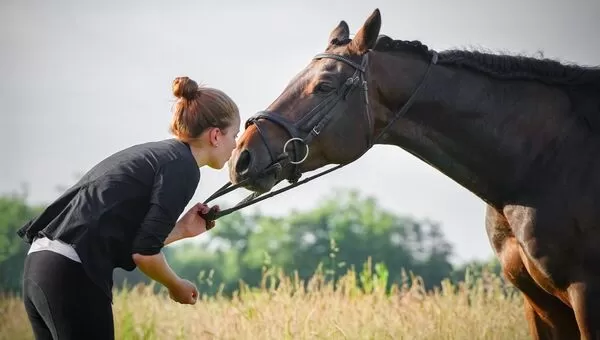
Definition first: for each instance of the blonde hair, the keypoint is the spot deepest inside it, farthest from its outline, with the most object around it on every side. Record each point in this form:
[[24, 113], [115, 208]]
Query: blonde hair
[[199, 108]]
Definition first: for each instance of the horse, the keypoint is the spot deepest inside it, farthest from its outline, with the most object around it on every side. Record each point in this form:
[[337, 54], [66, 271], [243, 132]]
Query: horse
[[521, 133]]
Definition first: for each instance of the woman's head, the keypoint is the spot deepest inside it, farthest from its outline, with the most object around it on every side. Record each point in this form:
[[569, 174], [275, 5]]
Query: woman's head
[[207, 119]]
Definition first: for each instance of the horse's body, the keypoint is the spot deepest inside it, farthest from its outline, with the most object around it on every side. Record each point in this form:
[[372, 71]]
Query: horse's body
[[522, 134]]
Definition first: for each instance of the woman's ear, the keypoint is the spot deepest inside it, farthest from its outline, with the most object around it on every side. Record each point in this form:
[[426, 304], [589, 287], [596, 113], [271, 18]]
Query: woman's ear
[[214, 136]]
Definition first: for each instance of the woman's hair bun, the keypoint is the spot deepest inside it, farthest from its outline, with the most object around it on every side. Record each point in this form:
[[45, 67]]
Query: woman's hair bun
[[184, 87]]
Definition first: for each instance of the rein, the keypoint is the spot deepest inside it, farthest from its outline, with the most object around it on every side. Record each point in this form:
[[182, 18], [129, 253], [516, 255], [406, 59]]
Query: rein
[[320, 117]]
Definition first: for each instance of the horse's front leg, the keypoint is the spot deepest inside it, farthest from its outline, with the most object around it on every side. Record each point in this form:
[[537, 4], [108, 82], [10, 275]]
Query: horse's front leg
[[549, 318], [585, 300]]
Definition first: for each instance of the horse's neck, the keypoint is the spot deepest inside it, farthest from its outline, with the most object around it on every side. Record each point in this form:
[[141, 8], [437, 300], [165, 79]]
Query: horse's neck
[[483, 133]]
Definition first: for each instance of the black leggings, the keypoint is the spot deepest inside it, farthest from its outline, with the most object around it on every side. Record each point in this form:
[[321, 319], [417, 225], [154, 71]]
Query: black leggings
[[62, 302]]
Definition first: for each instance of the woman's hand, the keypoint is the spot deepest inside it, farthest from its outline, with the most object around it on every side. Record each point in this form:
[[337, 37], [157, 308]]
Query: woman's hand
[[184, 292], [192, 224]]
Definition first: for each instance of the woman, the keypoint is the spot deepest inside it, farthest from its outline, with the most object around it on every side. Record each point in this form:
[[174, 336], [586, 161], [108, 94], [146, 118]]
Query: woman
[[120, 214]]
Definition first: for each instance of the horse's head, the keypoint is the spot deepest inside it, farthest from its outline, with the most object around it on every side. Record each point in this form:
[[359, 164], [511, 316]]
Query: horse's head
[[322, 117]]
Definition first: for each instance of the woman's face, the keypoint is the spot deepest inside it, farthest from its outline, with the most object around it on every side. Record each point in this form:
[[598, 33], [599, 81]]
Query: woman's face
[[225, 145]]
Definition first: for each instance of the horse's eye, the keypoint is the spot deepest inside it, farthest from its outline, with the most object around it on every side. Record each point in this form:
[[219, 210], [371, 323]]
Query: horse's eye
[[323, 88]]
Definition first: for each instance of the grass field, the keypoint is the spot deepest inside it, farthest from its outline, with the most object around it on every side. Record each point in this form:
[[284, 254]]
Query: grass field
[[357, 308]]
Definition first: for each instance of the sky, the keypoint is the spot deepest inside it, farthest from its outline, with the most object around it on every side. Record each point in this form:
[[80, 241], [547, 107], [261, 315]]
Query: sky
[[80, 80]]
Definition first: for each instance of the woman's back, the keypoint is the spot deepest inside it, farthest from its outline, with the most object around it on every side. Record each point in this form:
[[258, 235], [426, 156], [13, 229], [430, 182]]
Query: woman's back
[[103, 212]]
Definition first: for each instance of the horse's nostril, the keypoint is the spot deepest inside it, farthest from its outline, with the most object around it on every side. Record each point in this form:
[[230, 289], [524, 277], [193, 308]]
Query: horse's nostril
[[243, 163]]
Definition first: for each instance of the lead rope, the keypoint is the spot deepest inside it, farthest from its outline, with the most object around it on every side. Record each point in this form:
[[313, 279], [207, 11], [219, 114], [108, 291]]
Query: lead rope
[[254, 198]]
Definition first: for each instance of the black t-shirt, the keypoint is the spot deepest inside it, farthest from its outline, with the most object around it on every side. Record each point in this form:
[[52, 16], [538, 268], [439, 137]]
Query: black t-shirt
[[128, 203]]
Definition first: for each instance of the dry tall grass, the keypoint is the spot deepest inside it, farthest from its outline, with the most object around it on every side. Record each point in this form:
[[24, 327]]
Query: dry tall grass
[[286, 308]]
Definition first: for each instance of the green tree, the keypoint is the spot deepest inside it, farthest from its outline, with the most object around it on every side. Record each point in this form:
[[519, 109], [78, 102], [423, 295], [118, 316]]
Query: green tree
[[14, 213], [344, 230]]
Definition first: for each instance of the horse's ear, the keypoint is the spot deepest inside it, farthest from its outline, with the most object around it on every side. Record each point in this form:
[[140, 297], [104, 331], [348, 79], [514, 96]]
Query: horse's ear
[[367, 35], [340, 33]]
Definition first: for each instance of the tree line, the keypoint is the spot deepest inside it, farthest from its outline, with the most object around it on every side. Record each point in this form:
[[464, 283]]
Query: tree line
[[344, 231]]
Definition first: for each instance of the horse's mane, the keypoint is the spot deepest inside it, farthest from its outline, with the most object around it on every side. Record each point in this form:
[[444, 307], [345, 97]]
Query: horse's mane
[[581, 83], [501, 66]]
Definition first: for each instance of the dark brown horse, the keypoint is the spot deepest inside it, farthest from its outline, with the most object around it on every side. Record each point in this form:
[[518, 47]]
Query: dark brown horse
[[522, 134]]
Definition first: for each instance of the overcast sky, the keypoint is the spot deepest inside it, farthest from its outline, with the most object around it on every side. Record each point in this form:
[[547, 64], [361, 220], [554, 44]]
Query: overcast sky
[[82, 79]]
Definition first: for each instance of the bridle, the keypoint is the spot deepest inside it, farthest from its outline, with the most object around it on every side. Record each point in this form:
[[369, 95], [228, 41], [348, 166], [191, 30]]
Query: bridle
[[310, 126], [312, 123]]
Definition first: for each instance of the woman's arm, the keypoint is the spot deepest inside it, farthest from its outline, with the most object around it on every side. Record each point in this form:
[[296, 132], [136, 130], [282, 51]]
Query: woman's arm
[[175, 235], [157, 268]]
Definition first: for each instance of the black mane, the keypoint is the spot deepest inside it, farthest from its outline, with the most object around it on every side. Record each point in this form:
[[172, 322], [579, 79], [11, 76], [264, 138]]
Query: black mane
[[501, 66]]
